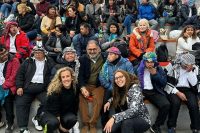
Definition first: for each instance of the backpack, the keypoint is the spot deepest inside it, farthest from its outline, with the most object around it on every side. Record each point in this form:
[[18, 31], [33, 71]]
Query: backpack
[[123, 48], [162, 53]]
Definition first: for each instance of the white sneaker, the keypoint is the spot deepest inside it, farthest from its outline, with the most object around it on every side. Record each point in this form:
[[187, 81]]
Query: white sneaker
[[25, 131], [37, 126], [2, 124]]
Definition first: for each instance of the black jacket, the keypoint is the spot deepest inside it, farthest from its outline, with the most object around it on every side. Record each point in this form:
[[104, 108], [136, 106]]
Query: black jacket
[[85, 70], [51, 43], [184, 12], [194, 20], [26, 22], [27, 71], [62, 103]]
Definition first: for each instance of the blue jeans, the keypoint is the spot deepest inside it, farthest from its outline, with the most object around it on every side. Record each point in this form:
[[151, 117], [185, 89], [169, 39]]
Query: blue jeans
[[31, 35], [129, 19], [5, 9]]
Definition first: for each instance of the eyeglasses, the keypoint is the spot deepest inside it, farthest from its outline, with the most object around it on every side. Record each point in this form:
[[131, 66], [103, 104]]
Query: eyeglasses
[[119, 77], [94, 49]]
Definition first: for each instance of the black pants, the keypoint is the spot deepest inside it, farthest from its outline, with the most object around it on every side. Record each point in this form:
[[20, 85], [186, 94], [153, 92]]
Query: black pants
[[8, 106], [133, 125], [67, 121], [192, 104], [161, 102], [105, 115], [23, 104]]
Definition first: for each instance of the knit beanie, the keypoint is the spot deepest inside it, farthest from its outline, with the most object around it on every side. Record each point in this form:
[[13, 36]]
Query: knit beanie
[[39, 48], [187, 59], [150, 56], [114, 50]]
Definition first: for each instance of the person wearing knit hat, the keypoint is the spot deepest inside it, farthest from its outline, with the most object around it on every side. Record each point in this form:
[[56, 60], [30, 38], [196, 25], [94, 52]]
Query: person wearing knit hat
[[68, 58], [114, 62], [15, 40], [32, 79], [114, 50], [185, 90], [153, 79], [9, 66]]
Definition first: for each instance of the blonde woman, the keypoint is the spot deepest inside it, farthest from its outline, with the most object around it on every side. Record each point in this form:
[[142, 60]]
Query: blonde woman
[[25, 21], [141, 41], [62, 102]]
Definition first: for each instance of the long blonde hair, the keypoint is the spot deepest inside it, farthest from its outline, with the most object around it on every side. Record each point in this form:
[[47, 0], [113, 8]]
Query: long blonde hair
[[27, 8], [56, 85]]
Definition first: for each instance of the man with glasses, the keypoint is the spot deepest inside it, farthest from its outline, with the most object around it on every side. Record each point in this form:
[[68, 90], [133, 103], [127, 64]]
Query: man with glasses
[[114, 62], [91, 90]]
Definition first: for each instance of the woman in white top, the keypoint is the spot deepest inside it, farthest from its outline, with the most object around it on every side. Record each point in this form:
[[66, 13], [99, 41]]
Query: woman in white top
[[187, 38]]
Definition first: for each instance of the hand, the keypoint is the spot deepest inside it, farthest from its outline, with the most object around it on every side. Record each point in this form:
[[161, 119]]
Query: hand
[[71, 33], [152, 70], [186, 35], [56, 50], [108, 126], [84, 92], [19, 91], [189, 68], [63, 129], [107, 106], [181, 96]]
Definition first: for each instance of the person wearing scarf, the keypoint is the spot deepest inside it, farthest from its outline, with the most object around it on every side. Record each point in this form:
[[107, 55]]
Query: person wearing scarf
[[153, 79]]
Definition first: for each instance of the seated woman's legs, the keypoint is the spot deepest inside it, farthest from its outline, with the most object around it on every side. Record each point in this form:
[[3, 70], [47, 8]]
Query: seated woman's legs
[[50, 123], [68, 120]]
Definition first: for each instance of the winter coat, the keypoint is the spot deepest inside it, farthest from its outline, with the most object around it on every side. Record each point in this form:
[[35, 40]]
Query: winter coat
[[27, 71], [26, 22], [158, 80], [194, 20], [136, 106], [80, 42], [65, 41], [147, 11], [21, 44], [165, 9], [108, 69], [144, 44], [10, 71]]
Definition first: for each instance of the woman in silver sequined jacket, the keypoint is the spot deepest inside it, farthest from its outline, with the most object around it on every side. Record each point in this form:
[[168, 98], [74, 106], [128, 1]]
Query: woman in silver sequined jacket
[[131, 114]]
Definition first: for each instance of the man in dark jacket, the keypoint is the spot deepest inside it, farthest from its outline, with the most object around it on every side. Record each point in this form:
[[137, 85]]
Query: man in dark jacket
[[32, 80], [153, 80], [80, 40], [91, 90]]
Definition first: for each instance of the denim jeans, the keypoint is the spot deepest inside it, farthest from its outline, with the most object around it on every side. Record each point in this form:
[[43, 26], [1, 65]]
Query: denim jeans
[[5, 9], [129, 19]]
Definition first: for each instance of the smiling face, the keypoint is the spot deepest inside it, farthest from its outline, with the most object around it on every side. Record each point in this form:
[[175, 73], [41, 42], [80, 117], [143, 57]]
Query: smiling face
[[120, 79], [93, 50], [113, 29], [143, 26], [189, 31], [70, 56], [66, 79]]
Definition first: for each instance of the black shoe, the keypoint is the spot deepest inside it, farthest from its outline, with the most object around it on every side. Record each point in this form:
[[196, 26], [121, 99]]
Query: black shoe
[[9, 129], [155, 129]]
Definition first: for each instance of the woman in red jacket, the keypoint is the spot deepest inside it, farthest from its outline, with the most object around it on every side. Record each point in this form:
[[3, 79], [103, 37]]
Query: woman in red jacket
[[141, 41]]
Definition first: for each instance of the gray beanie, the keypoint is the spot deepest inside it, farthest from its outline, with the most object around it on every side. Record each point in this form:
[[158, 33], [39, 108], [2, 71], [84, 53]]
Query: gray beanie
[[187, 59], [68, 49]]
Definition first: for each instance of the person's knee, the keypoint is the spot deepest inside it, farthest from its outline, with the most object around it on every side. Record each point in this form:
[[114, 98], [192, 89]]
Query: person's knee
[[52, 124], [165, 106], [69, 120]]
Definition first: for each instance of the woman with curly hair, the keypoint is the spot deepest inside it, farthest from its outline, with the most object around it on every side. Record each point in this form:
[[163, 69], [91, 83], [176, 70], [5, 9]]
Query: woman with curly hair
[[62, 102], [131, 112]]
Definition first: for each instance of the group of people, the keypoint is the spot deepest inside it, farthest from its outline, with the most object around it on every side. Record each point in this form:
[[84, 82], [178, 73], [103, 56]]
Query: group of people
[[77, 63]]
